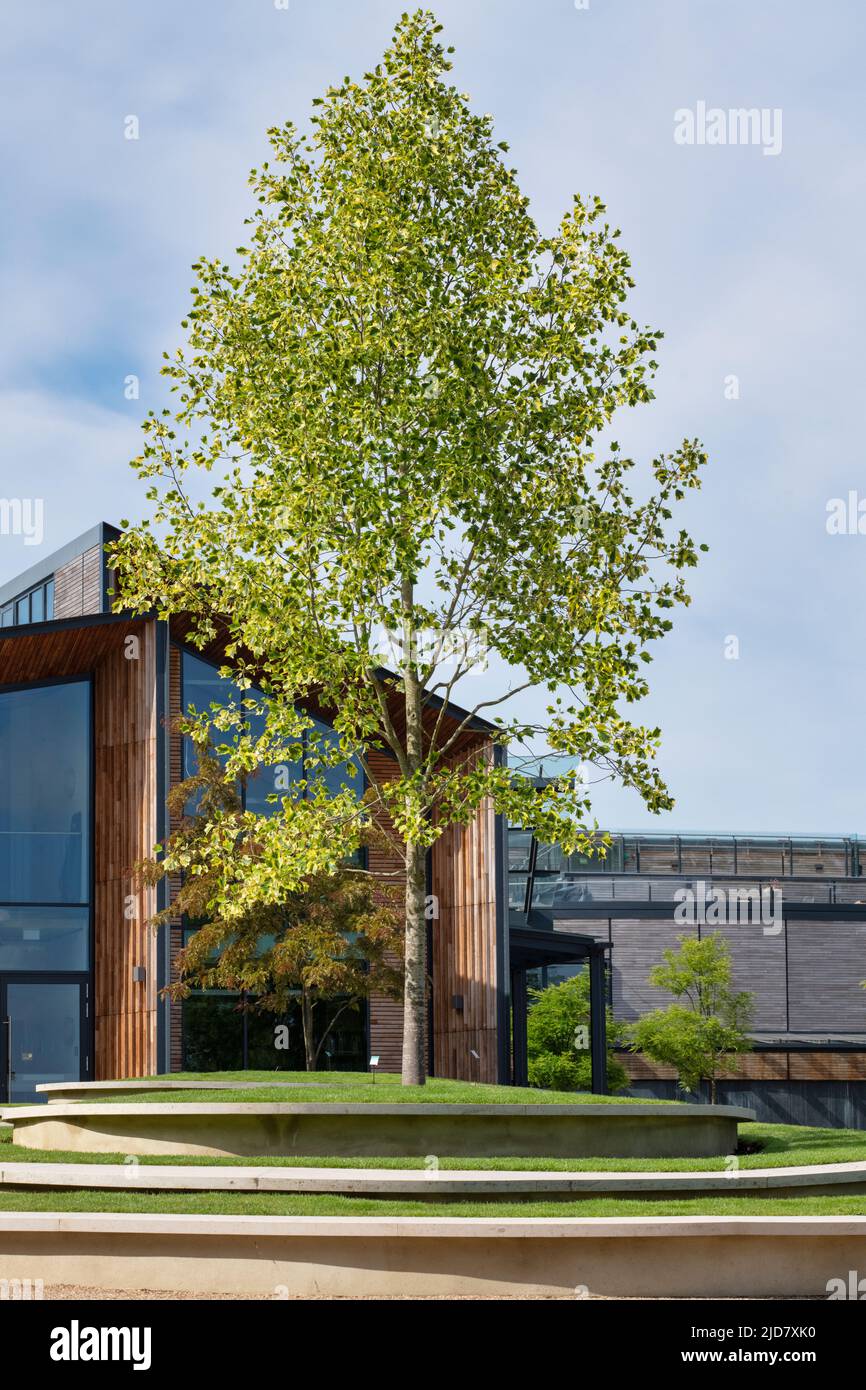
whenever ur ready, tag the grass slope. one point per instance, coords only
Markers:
(365, 1092)
(280, 1204)
(782, 1146)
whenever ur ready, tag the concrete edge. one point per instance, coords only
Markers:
(500, 1183)
(340, 1257)
(79, 1109)
(412, 1227)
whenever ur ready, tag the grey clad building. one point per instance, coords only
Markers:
(793, 910)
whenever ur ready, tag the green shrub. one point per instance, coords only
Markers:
(554, 1072)
(557, 1038)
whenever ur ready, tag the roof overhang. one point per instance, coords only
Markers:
(530, 946)
(65, 647)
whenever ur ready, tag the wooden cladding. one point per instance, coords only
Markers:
(463, 964)
(175, 1008)
(78, 585)
(385, 1012)
(40, 655)
(125, 738)
(825, 967)
(464, 949)
(779, 1066)
(805, 975)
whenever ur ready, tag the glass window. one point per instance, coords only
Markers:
(220, 1034)
(44, 938)
(213, 1033)
(203, 686)
(517, 891)
(267, 781)
(37, 606)
(262, 1051)
(45, 1037)
(519, 847)
(45, 794)
(321, 740)
(558, 974)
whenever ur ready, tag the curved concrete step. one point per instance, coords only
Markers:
(393, 1182)
(55, 1092)
(376, 1128)
(283, 1257)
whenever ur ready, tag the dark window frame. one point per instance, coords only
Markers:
(45, 587)
(84, 978)
(184, 649)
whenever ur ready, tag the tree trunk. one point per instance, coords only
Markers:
(712, 1090)
(307, 1021)
(415, 985)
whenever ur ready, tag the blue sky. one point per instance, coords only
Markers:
(750, 264)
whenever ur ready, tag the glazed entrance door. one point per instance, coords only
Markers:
(41, 1036)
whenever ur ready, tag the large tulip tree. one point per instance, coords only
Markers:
(402, 390)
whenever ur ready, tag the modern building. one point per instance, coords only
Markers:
(793, 911)
(87, 755)
(88, 752)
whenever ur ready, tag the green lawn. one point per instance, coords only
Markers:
(781, 1146)
(280, 1204)
(336, 1078)
(365, 1092)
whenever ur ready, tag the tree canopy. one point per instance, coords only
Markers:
(702, 1032)
(403, 391)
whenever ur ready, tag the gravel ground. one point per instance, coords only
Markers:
(72, 1292)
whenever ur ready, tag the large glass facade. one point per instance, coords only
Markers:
(45, 884)
(220, 1032)
(203, 686)
(654, 867)
(44, 938)
(44, 1036)
(45, 794)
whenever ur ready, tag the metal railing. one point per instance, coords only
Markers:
(573, 890)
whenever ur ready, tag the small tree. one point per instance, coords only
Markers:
(557, 1039)
(336, 937)
(404, 391)
(701, 1035)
